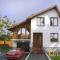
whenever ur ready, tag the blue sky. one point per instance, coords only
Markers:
(19, 10)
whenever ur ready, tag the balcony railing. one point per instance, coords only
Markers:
(24, 36)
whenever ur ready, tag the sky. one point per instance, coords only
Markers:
(19, 10)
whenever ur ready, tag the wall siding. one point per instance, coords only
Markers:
(47, 29)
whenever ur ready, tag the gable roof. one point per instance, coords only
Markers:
(46, 10)
(34, 15)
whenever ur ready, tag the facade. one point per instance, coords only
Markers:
(42, 30)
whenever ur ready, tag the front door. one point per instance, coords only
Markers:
(37, 42)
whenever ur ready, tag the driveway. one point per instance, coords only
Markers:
(37, 57)
(2, 57)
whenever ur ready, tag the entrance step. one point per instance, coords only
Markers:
(37, 50)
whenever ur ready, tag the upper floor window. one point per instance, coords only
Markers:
(54, 37)
(40, 21)
(53, 21)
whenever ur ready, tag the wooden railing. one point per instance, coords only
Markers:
(23, 36)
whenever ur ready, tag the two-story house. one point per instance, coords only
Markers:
(38, 31)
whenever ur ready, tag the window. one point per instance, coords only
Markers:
(54, 21)
(54, 37)
(40, 21)
(23, 33)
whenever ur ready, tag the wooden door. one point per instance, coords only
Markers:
(37, 41)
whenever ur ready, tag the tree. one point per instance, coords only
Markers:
(14, 23)
(5, 38)
(4, 25)
(6, 22)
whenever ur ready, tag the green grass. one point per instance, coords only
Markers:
(55, 58)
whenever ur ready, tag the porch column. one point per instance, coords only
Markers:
(14, 44)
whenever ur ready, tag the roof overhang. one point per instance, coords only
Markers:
(22, 24)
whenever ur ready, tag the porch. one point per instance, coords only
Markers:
(21, 31)
(21, 35)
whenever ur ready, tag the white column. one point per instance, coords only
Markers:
(31, 43)
(14, 44)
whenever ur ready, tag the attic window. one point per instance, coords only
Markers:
(53, 21)
(40, 21)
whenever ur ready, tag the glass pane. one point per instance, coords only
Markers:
(52, 18)
(55, 21)
(19, 32)
(51, 22)
(55, 35)
(42, 20)
(27, 32)
(23, 31)
(41, 24)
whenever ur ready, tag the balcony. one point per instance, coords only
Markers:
(22, 33)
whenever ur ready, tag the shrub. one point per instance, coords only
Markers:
(4, 48)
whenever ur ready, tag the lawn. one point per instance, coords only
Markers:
(55, 58)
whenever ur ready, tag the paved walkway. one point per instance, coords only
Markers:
(37, 57)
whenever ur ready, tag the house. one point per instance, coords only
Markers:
(41, 30)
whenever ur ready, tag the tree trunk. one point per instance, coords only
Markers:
(4, 43)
